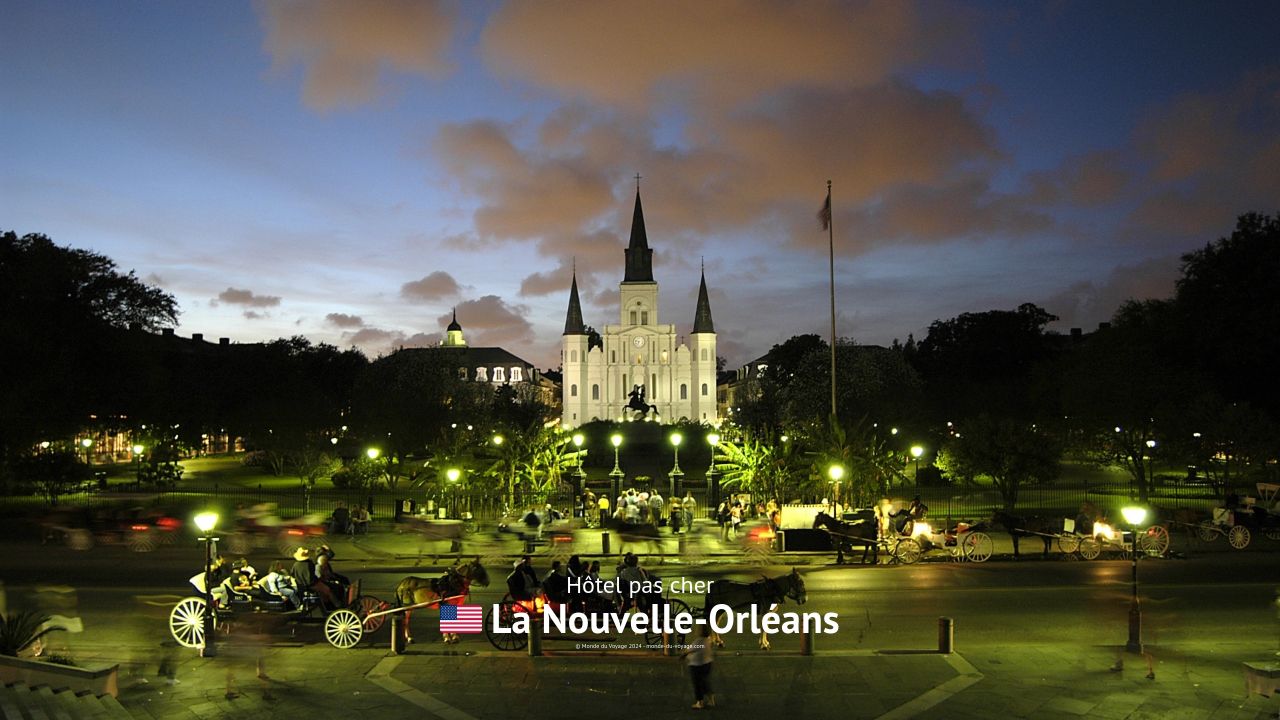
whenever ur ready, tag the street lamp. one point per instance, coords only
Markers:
(916, 452)
(615, 475)
(714, 440)
(497, 440)
(676, 475)
(1151, 449)
(137, 463)
(206, 522)
(1135, 516)
(836, 473)
(372, 453)
(453, 474)
(86, 444)
(578, 476)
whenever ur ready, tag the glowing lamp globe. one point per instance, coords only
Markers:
(206, 521)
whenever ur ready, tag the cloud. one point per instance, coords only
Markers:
(379, 341)
(232, 296)
(489, 320)
(344, 47)
(1096, 178)
(1087, 303)
(343, 320)
(435, 286)
(718, 51)
(252, 315)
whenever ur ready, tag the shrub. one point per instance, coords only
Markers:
(20, 630)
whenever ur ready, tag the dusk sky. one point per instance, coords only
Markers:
(351, 171)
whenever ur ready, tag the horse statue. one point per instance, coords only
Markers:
(846, 536)
(765, 594)
(451, 588)
(637, 404)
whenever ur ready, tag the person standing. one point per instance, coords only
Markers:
(656, 507)
(603, 506)
(698, 657)
(690, 507)
(676, 512)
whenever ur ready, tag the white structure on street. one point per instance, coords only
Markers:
(639, 359)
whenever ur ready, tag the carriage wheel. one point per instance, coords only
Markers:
(141, 541)
(1155, 541)
(678, 608)
(186, 622)
(907, 551)
(240, 543)
(977, 547)
(1207, 532)
(506, 615)
(1272, 533)
(1090, 548)
(366, 604)
(1069, 544)
(343, 628)
(1239, 537)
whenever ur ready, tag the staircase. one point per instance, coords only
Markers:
(22, 702)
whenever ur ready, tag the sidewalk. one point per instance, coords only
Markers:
(1203, 680)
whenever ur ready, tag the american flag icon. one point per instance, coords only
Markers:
(461, 619)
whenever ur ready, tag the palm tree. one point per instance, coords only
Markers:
(21, 630)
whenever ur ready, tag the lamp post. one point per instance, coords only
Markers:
(615, 475)
(916, 452)
(712, 485)
(578, 475)
(87, 443)
(453, 474)
(676, 475)
(206, 522)
(836, 473)
(1151, 450)
(1135, 516)
(137, 463)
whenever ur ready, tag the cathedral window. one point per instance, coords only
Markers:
(704, 389)
(644, 317)
(664, 357)
(613, 357)
(573, 391)
(595, 392)
(654, 385)
(482, 374)
(704, 355)
(684, 391)
(573, 356)
(633, 317)
(499, 375)
(516, 375)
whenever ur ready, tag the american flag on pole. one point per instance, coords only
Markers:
(461, 619)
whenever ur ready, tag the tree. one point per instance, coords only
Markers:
(1009, 452)
(53, 472)
(871, 382)
(21, 630)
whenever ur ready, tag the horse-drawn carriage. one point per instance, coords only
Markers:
(907, 540)
(343, 627)
(1087, 536)
(1236, 520)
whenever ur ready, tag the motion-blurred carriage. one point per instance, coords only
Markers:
(1237, 521)
(908, 540)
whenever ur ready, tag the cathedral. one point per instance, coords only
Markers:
(641, 368)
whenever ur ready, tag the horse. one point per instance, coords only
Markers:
(765, 594)
(451, 588)
(847, 535)
(1031, 526)
(431, 530)
(636, 533)
(639, 406)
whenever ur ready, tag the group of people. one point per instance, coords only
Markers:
(316, 574)
(523, 582)
(646, 508)
(354, 521)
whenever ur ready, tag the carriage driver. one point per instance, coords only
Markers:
(523, 583)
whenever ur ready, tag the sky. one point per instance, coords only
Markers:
(354, 171)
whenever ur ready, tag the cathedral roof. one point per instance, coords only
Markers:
(639, 256)
(573, 324)
(702, 318)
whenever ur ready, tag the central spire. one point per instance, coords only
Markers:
(639, 256)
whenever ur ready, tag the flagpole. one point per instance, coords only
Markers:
(831, 257)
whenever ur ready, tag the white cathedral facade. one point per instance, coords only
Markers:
(640, 357)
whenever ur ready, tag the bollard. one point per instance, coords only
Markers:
(604, 543)
(528, 547)
(782, 541)
(806, 641)
(667, 648)
(946, 635)
(535, 636)
(682, 544)
(397, 634)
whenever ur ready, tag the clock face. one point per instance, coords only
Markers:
(638, 341)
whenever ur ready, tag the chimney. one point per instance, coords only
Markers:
(224, 342)
(198, 337)
(167, 332)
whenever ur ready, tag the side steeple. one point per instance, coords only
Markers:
(573, 324)
(702, 318)
(639, 256)
(453, 333)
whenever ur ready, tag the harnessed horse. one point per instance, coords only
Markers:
(1031, 526)
(451, 588)
(848, 535)
(765, 594)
